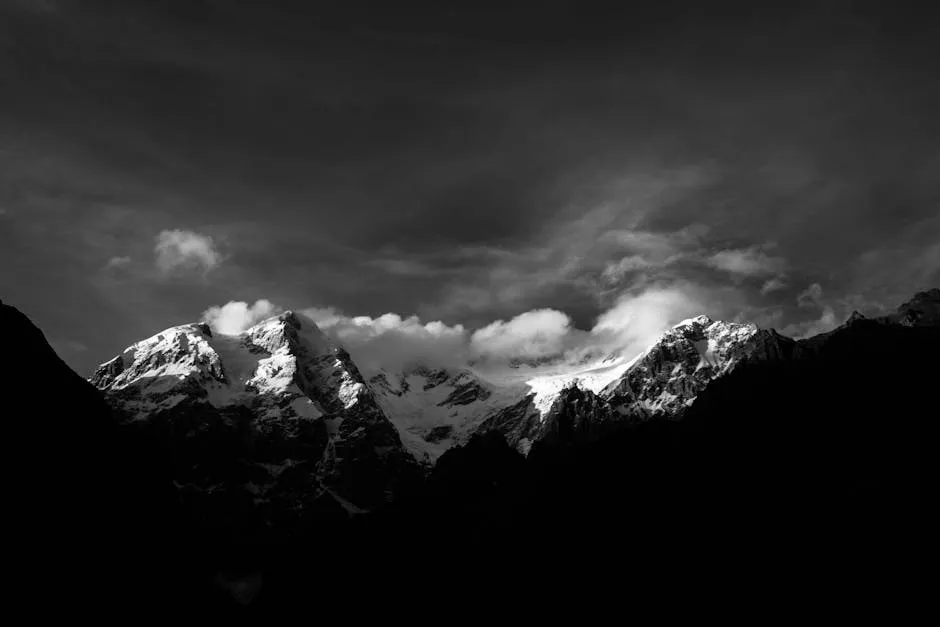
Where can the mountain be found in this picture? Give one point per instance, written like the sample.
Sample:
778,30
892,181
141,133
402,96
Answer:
665,379
276,426
271,425
661,382
791,465
923,310
810,454
422,410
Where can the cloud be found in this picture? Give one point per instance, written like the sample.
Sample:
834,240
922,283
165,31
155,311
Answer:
637,320
530,335
827,321
178,250
614,272
391,341
746,262
811,296
117,262
325,317
397,342
659,246
236,316
772,285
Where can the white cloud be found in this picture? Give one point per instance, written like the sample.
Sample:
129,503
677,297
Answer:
178,250
391,341
236,316
530,335
746,262
636,321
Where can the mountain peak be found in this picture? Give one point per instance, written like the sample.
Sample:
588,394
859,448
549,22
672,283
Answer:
283,386
701,320
922,310
855,317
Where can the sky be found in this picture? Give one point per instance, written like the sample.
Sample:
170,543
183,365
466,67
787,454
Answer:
504,178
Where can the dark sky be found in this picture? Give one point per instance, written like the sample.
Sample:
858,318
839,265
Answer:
462,163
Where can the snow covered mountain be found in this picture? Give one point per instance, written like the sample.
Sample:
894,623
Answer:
666,378
435,409
277,419
289,378
661,382
310,411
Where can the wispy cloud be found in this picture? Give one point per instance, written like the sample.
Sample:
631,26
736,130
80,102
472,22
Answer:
812,298
117,262
747,262
772,285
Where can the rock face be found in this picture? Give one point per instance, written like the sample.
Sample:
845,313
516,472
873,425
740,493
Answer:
274,424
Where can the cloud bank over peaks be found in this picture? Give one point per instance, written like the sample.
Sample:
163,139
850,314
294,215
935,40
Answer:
394,342
391,341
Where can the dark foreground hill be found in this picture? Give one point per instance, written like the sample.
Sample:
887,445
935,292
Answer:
94,525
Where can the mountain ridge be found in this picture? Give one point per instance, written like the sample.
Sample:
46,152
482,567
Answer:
434,409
